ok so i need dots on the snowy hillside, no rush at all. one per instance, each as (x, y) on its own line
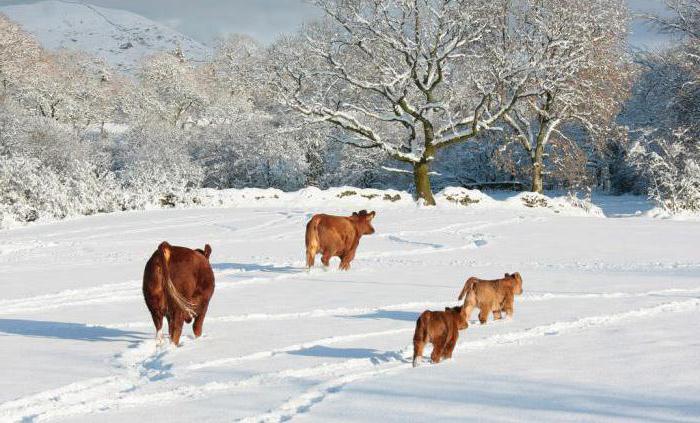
(121, 38)
(606, 329)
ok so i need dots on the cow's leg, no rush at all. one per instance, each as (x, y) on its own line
(175, 327)
(156, 306)
(326, 258)
(158, 321)
(345, 260)
(310, 256)
(497, 315)
(199, 320)
(157, 316)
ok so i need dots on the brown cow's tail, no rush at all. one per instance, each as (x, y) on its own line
(420, 336)
(312, 242)
(469, 286)
(183, 303)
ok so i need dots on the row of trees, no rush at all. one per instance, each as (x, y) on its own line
(409, 78)
(399, 93)
(664, 114)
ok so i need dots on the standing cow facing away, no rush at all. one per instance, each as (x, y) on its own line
(177, 284)
(497, 295)
(440, 328)
(336, 236)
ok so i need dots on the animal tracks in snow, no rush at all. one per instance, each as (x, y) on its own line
(304, 402)
(418, 306)
(109, 293)
(140, 366)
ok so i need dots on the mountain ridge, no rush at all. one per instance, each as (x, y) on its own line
(119, 37)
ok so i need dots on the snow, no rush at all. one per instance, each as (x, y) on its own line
(606, 329)
(119, 37)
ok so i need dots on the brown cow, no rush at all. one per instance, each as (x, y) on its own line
(441, 328)
(336, 236)
(495, 295)
(177, 284)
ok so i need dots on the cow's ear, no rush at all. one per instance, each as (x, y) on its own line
(354, 213)
(371, 215)
(506, 275)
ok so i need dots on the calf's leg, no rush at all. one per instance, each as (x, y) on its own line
(438, 347)
(484, 311)
(417, 351)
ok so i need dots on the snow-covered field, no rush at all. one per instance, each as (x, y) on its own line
(607, 327)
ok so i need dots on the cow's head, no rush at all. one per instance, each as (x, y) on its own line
(363, 221)
(518, 285)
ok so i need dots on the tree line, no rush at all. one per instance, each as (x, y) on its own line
(410, 94)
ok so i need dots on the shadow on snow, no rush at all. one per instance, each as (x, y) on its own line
(254, 267)
(63, 330)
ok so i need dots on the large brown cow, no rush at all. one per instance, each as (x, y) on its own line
(177, 284)
(336, 236)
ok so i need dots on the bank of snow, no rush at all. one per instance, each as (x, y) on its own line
(606, 329)
(344, 198)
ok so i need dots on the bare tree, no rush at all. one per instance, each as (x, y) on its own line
(685, 59)
(172, 89)
(582, 72)
(404, 77)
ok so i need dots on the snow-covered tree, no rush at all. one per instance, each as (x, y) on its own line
(155, 165)
(664, 114)
(685, 86)
(402, 78)
(580, 71)
(171, 89)
(672, 168)
(18, 52)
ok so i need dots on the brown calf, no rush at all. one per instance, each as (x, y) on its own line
(177, 284)
(441, 328)
(496, 295)
(336, 236)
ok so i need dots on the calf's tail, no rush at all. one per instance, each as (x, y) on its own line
(469, 286)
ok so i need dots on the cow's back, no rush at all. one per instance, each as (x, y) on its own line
(335, 232)
(190, 271)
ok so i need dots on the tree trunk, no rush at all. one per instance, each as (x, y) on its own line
(421, 178)
(537, 167)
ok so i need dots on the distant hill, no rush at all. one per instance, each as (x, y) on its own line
(119, 37)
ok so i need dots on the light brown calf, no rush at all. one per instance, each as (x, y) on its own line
(495, 295)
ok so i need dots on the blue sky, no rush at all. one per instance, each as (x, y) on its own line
(204, 20)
